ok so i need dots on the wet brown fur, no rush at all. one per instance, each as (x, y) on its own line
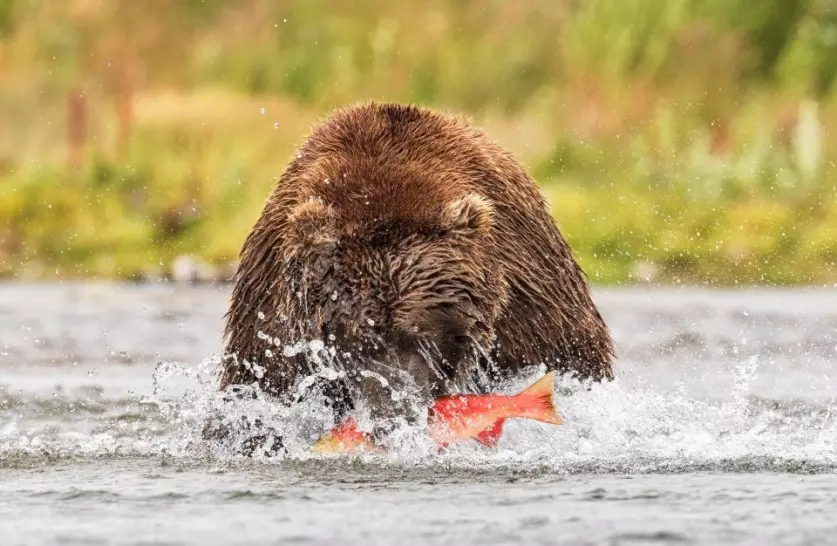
(416, 221)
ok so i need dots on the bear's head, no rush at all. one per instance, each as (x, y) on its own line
(406, 297)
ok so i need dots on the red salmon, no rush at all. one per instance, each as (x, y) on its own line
(462, 416)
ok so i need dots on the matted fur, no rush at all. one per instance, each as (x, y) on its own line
(404, 226)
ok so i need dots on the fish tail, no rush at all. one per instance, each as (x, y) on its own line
(490, 436)
(538, 401)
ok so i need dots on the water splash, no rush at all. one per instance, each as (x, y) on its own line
(611, 427)
(608, 428)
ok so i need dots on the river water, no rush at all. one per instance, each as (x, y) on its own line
(721, 428)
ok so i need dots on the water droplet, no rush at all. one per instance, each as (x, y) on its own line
(262, 110)
(260, 315)
(370, 322)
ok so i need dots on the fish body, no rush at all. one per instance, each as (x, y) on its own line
(461, 417)
(482, 416)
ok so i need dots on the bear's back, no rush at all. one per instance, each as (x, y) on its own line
(384, 159)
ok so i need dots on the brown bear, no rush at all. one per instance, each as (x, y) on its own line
(421, 255)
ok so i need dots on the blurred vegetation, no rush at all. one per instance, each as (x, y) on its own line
(677, 140)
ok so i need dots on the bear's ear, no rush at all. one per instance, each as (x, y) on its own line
(312, 227)
(470, 214)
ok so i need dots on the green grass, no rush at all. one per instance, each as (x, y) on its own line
(686, 141)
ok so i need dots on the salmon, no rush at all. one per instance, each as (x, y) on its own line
(462, 417)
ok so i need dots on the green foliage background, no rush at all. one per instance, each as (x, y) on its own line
(677, 140)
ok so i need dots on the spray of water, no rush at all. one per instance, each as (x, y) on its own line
(609, 427)
(618, 426)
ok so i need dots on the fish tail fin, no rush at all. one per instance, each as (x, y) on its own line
(490, 436)
(543, 409)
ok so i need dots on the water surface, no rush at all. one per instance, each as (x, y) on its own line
(720, 429)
